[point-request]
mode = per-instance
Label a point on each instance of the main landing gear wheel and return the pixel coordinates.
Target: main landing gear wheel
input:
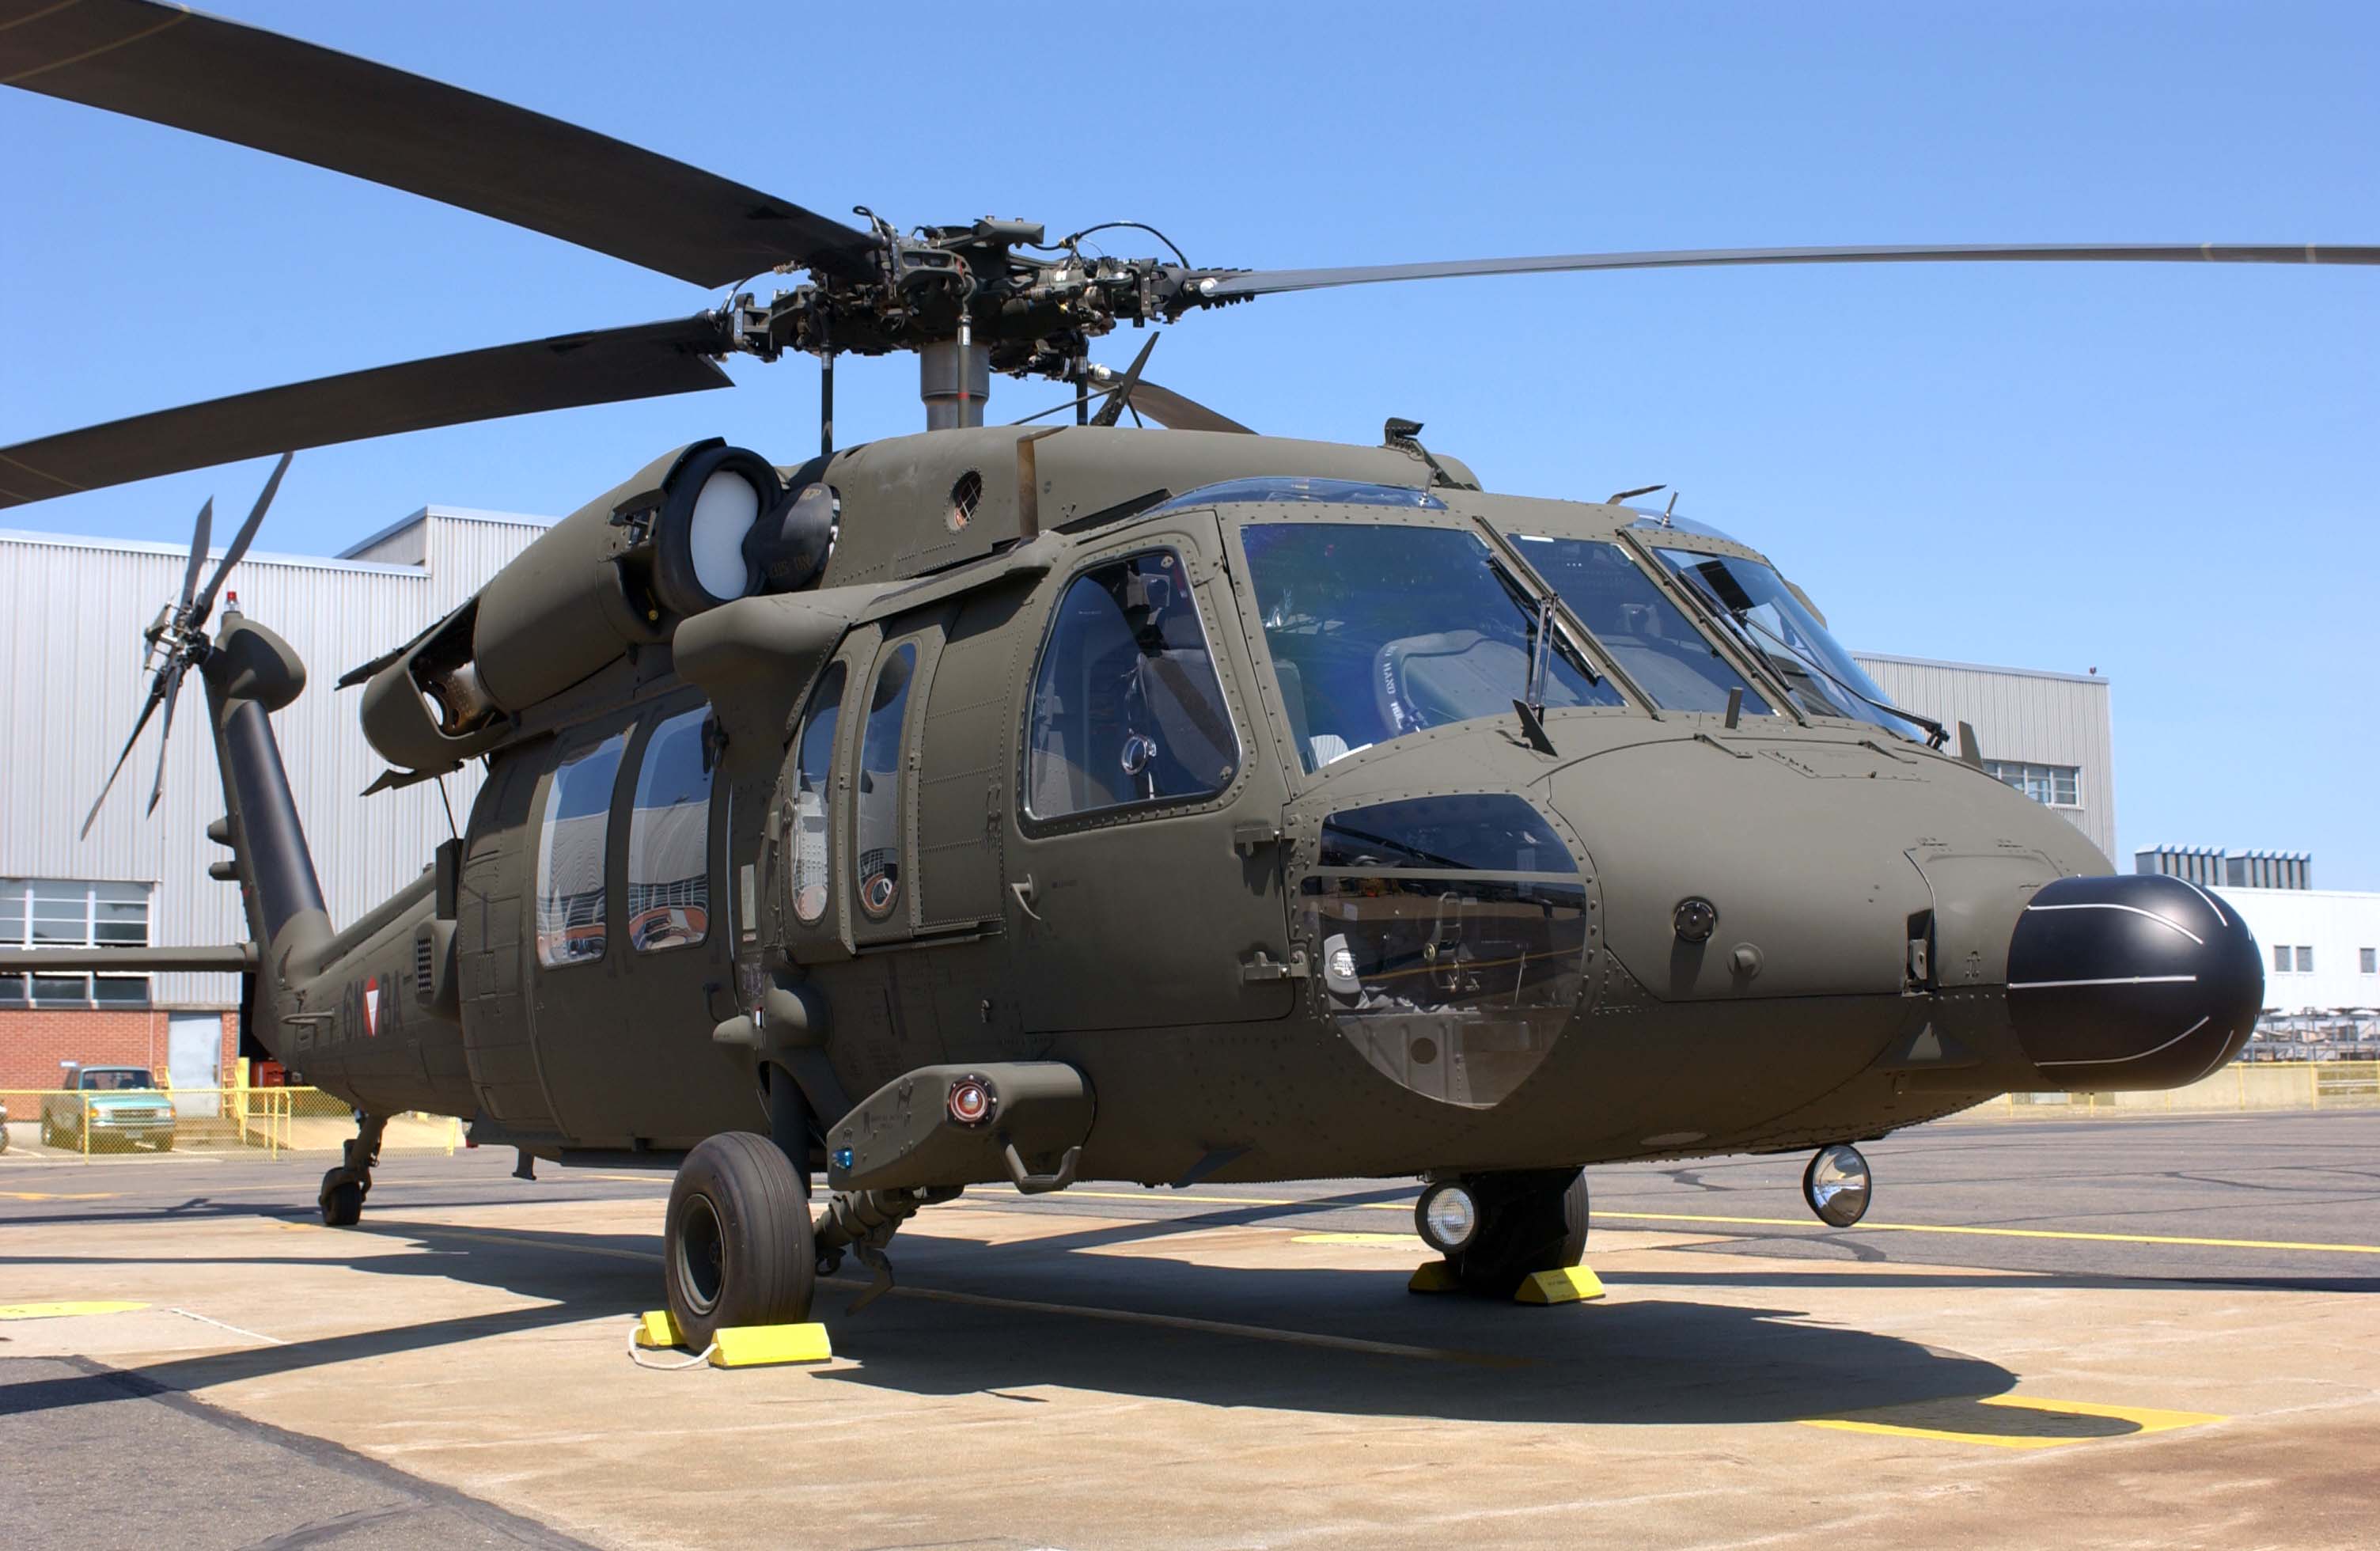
(342, 1199)
(1497, 1229)
(736, 1247)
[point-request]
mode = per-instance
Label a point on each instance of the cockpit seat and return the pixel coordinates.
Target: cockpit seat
(1428, 680)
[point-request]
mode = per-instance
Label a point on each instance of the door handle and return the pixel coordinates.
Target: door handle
(1024, 896)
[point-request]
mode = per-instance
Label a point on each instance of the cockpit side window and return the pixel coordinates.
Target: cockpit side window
(1634, 620)
(1824, 679)
(573, 846)
(669, 837)
(1126, 709)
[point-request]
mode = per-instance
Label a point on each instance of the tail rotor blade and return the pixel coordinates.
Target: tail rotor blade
(206, 603)
(164, 736)
(156, 697)
(198, 552)
(1113, 410)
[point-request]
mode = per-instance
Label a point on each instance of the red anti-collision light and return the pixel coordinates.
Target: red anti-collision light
(970, 1101)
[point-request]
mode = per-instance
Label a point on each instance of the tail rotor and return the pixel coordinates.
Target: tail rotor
(179, 633)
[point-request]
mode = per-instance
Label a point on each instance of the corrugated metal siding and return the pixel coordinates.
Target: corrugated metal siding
(72, 614)
(2041, 719)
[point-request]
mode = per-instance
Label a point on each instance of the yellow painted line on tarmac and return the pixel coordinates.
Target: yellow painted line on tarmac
(2145, 1420)
(58, 1195)
(2015, 1233)
(1393, 1241)
(62, 1311)
(1777, 1222)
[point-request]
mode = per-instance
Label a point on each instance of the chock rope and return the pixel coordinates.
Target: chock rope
(639, 1359)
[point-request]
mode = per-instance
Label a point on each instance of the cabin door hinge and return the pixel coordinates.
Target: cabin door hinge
(1259, 967)
(1248, 837)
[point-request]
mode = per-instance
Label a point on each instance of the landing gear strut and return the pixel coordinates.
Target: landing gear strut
(345, 1187)
(1496, 1230)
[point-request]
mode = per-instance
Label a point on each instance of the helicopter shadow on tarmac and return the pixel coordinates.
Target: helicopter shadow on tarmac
(970, 1316)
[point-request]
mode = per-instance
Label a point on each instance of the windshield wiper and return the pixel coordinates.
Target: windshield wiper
(1935, 733)
(1540, 610)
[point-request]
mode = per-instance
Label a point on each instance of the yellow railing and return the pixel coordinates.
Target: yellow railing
(152, 1122)
(2242, 1088)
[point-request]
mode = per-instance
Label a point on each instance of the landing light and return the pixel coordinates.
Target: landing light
(1446, 1216)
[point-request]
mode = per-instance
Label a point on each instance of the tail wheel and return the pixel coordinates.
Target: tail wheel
(1530, 1221)
(736, 1247)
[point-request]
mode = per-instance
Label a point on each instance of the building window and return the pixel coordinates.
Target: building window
(669, 838)
(2056, 785)
(72, 913)
(2369, 959)
(571, 849)
(2280, 958)
(2305, 960)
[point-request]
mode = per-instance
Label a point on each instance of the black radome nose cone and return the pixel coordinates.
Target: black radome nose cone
(2126, 983)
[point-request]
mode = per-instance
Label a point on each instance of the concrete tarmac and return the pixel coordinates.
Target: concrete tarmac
(2130, 1332)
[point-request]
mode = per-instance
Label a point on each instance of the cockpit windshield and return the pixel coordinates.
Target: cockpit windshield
(1651, 638)
(1378, 631)
(1823, 677)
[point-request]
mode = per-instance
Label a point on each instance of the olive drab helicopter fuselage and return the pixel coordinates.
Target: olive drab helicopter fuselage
(1019, 806)
(1201, 831)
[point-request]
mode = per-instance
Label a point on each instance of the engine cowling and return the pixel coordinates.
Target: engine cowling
(699, 526)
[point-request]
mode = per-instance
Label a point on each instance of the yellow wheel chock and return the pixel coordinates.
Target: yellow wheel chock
(1571, 1284)
(745, 1346)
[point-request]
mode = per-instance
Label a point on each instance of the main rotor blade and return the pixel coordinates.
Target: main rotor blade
(299, 100)
(1258, 283)
(156, 697)
(240, 540)
(603, 367)
(165, 734)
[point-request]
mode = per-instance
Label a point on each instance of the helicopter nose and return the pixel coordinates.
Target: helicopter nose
(2127, 983)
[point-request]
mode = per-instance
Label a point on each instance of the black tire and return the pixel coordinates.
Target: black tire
(1530, 1221)
(343, 1201)
(165, 1144)
(735, 1246)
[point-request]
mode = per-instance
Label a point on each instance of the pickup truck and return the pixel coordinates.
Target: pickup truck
(108, 1106)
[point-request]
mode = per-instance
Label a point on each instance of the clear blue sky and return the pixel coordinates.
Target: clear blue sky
(2167, 474)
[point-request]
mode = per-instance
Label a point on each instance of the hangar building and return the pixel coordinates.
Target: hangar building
(72, 610)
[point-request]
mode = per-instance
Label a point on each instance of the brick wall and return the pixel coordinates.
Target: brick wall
(33, 1042)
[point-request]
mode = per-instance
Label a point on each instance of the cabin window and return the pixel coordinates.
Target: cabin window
(1126, 707)
(669, 838)
(813, 761)
(879, 799)
(571, 854)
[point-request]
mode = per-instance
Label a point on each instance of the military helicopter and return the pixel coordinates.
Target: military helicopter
(1016, 806)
